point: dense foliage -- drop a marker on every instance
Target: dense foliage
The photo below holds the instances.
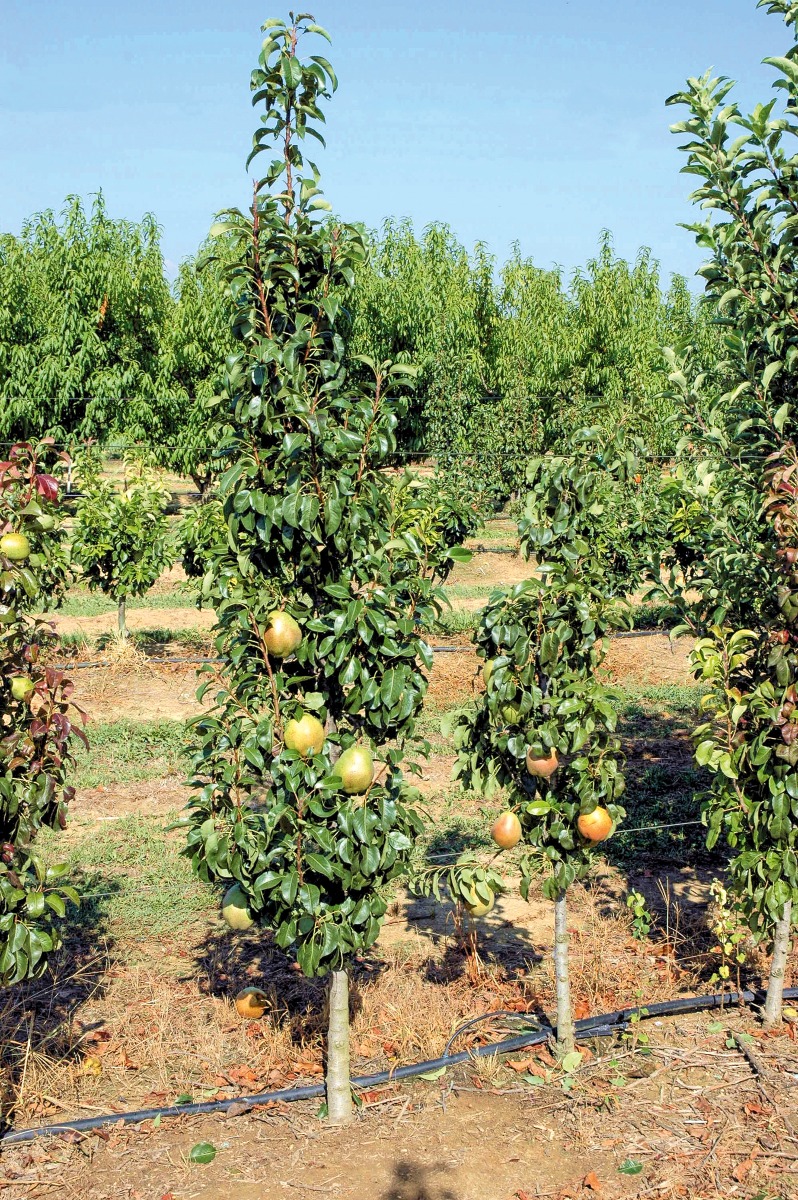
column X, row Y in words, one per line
column 83, row 305
column 37, row 722
column 94, row 342
column 734, row 493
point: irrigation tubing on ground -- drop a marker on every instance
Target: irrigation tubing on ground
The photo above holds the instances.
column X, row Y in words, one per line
column 459, row 649
column 603, row 1025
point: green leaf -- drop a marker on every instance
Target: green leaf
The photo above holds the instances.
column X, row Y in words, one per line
column 203, row 1153
column 630, row 1167
column 432, row 1075
column 571, row 1062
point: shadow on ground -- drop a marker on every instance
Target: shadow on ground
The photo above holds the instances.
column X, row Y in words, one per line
column 411, row 1181
column 38, row 1015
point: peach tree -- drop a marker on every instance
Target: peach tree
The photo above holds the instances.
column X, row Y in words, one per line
column 37, row 718
column 321, row 582
column 543, row 732
column 735, row 580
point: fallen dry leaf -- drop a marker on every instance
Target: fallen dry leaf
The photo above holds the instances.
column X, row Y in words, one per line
column 752, row 1109
column 591, row 1181
column 520, row 1064
column 743, row 1168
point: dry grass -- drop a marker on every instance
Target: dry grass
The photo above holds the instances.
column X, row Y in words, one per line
column 118, row 1033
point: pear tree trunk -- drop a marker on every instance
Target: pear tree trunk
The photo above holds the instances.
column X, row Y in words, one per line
column 339, row 1091
column 121, row 619
column 565, row 1019
column 781, row 949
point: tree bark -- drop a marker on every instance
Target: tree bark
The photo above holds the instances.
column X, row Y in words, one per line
column 339, row 1090
column 781, row 949
column 565, row 1019
column 121, row 619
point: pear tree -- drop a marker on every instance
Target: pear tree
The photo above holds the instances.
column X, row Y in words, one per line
column 542, row 734
column 321, row 582
column 38, row 718
column 734, row 577
column 121, row 535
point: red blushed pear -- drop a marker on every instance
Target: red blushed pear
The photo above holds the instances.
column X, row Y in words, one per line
column 596, row 826
column 506, row 830
column 542, row 767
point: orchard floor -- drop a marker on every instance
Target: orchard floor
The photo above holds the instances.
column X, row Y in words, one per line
column 693, row 1118
column 137, row 1011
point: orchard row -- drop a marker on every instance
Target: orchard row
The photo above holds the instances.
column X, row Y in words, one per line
column 323, row 567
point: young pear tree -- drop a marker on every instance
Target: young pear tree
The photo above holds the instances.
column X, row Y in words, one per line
column 543, row 731
column 37, row 722
column 733, row 576
column 121, row 536
column 320, row 585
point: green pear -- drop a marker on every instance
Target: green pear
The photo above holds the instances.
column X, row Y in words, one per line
column 355, row 769
column 235, row 909
column 22, row 687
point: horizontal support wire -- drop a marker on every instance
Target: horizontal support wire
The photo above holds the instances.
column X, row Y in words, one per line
column 459, row 648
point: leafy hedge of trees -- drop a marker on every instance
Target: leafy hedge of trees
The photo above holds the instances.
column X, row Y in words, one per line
column 510, row 358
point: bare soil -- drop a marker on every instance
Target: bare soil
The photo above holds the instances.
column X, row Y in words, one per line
column 137, row 619
column 700, row 1117
column 650, row 659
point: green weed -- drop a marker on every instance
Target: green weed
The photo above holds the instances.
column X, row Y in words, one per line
column 133, row 880
column 129, row 751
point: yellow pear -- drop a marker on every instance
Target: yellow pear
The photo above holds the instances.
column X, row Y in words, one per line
column 305, row 735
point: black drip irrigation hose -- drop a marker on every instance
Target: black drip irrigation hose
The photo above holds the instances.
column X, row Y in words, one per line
column 458, row 649
column 605, row 1025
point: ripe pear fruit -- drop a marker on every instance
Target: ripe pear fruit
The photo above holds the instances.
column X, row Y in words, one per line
column 475, row 907
column 541, row 767
column 235, row 909
column 355, row 769
column 22, row 687
column 596, row 825
column 305, row 735
column 14, row 546
column 252, row 1003
column 506, row 830
column 282, row 635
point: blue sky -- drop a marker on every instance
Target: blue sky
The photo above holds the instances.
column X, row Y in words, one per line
column 528, row 121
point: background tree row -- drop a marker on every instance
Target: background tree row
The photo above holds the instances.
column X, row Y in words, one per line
column 511, row 358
